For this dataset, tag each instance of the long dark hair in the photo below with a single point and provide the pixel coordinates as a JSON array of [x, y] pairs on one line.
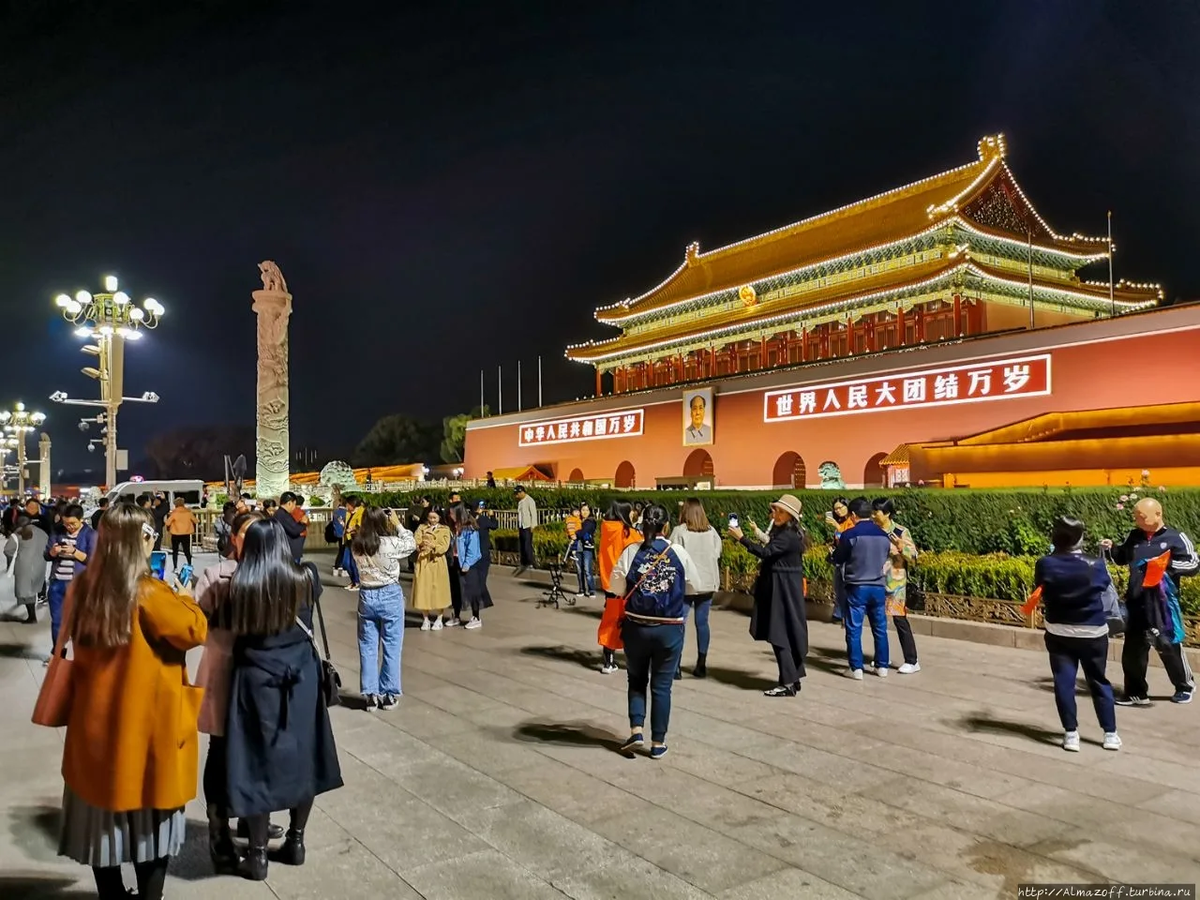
[[655, 520], [268, 587], [463, 518], [620, 511], [375, 524]]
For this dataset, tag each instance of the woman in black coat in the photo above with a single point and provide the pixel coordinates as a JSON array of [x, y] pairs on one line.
[[279, 744], [779, 615]]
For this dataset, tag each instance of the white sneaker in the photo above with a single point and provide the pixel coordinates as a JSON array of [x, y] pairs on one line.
[[909, 669], [453, 622], [437, 625], [1071, 741], [856, 674], [607, 669], [881, 671], [426, 625], [1112, 740], [474, 623]]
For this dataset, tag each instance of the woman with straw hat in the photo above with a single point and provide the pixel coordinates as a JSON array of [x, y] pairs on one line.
[[778, 616]]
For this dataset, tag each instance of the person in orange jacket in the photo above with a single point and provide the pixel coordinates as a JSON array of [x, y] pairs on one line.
[[616, 533], [130, 757]]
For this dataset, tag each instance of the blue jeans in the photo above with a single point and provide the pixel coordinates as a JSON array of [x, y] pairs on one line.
[[866, 600], [651, 655], [55, 595], [703, 605], [583, 569], [380, 614], [351, 566]]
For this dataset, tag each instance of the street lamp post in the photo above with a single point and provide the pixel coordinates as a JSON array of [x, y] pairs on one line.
[[17, 424], [7, 446], [111, 319]]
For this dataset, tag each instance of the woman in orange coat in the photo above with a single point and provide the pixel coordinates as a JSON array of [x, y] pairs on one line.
[[130, 755], [616, 533]]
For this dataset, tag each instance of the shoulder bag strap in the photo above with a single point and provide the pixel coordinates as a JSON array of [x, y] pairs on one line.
[[638, 584], [321, 622]]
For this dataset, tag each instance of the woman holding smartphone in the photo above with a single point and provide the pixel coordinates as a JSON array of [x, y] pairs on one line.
[[695, 535]]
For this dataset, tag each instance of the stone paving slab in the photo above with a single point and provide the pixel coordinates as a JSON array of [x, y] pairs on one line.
[[497, 777]]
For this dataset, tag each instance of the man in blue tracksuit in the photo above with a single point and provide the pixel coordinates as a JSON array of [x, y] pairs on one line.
[[863, 551], [71, 544]]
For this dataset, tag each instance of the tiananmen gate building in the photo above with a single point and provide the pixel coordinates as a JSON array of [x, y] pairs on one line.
[[938, 333]]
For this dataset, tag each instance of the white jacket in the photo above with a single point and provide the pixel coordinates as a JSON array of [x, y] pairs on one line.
[[704, 548]]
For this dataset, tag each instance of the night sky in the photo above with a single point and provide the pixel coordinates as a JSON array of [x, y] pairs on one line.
[[453, 190]]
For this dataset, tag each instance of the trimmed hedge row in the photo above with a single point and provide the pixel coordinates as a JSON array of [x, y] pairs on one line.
[[976, 522], [995, 576]]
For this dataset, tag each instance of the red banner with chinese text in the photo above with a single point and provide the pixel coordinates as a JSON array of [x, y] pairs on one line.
[[1026, 376], [601, 426]]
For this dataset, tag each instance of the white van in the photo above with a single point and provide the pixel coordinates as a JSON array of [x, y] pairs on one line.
[[190, 491]]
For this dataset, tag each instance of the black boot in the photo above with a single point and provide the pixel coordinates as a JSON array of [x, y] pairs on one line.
[[220, 842], [30, 614], [292, 851], [254, 864], [701, 671], [274, 832]]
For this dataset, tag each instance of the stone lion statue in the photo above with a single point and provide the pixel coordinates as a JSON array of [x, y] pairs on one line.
[[831, 477], [337, 474]]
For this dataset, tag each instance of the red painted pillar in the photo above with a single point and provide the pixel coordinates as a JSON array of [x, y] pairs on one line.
[[599, 386], [957, 315], [762, 352], [803, 344], [920, 324], [901, 327]]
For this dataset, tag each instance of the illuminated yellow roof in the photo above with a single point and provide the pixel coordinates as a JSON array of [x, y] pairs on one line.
[[836, 299], [884, 218]]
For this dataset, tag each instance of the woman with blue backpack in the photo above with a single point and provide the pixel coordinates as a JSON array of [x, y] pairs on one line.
[[653, 576]]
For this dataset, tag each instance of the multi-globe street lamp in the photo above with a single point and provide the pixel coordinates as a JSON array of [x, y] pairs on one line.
[[7, 445], [18, 423], [111, 319]]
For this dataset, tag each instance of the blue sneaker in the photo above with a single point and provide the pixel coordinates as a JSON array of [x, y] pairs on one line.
[[1181, 697], [658, 752], [634, 741]]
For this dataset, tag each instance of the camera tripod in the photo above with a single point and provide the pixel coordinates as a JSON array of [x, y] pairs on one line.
[[556, 593]]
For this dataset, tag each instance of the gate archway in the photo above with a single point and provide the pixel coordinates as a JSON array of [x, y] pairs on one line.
[[576, 476], [789, 471], [699, 464], [873, 473], [626, 477]]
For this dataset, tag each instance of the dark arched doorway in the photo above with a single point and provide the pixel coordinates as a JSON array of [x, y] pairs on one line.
[[625, 477], [699, 464], [576, 476], [873, 474], [789, 471]]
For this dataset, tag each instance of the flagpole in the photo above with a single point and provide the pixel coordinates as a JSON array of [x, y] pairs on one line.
[[1112, 296], [500, 389], [1031, 276], [539, 381], [518, 385], [482, 402]]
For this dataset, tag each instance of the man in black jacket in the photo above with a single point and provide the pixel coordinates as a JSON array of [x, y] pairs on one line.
[[1151, 538], [296, 529]]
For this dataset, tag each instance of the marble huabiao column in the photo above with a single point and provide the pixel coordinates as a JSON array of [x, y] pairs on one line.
[[273, 305]]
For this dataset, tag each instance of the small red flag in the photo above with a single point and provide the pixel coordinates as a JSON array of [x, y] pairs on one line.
[[1031, 604], [1155, 569]]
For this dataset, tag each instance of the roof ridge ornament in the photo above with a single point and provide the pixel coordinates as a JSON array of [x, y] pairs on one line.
[[991, 146], [691, 253]]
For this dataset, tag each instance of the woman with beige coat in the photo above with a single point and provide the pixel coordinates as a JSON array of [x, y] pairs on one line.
[[431, 577], [213, 674]]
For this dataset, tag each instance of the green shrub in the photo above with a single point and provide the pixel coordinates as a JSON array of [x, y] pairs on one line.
[[1016, 522], [995, 576]]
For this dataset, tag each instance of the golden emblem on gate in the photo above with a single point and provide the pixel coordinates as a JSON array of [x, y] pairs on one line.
[[747, 293]]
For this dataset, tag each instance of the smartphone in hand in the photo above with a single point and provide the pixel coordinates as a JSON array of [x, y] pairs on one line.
[[185, 575]]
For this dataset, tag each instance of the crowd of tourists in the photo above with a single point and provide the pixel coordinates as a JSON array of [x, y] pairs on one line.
[[263, 690]]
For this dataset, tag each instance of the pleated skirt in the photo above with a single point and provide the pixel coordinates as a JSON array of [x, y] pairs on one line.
[[100, 838]]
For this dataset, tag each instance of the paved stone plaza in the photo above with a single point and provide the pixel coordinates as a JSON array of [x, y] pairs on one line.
[[498, 777]]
